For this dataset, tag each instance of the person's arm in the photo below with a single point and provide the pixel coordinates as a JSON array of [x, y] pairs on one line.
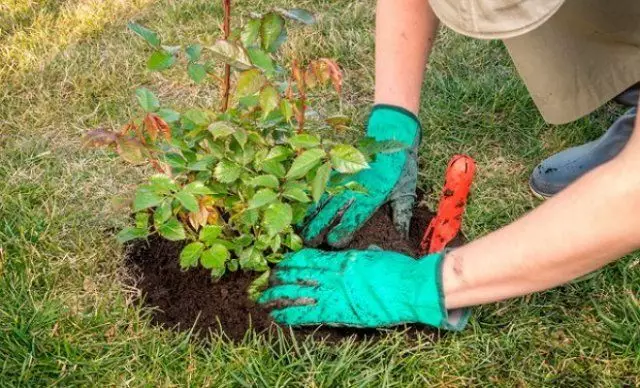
[[588, 225], [405, 31], [404, 34]]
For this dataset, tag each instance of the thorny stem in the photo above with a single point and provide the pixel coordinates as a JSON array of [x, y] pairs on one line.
[[226, 84]]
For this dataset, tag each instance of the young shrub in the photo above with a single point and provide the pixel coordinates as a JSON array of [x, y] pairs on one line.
[[234, 183]]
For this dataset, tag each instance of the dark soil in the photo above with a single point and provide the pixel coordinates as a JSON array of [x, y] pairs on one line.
[[186, 299]]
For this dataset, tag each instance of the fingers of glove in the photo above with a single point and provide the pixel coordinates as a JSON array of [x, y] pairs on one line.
[[313, 210], [402, 209], [352, 220], [313, 259], [288, 295], [304, 277], [302, 315], [318, 225]]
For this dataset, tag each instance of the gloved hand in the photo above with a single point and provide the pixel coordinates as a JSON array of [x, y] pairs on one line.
[[391, 178], [369, 288]]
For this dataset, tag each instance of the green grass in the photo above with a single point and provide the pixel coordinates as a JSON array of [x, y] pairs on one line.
[[65, 316]]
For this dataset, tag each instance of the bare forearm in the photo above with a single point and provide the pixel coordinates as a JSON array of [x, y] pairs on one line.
[[405, 30], [590, 224]]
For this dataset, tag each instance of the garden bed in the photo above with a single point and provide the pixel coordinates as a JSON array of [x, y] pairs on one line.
[[185, 299]]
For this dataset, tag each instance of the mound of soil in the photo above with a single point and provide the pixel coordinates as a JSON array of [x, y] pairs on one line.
[[186, 299]]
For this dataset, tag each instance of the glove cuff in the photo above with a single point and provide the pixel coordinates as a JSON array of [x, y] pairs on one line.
[[430, 303], [390, 122]]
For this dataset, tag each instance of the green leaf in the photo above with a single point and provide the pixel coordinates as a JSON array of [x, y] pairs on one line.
[[370, 146], [168, 115], [261, 60], [278, 154], [258, 286], [241, 136], [162, 213], [261, 198], [196, 116], [142, 220], [196, 72], [145, 198], [188, 201], [251, 33], [296, 194], [148, 35], [203, 164], [274, 168], [356, 187], [131, 233], [304, 140], [269, 99], [299, 15], [227, 171], [270, 30], [286, 109], [231, 54], [215, 257], [257, 138], [243, 241], [249, 82], [277, 217], [147, 100], [160, 60], [209, 233], [347, 159], [305, 162], [221, 129], [299, 212], [190, 254], [250, 217], [233, 265], [162, 184], [175, 160], [302, 185], [194, 52], [293, 241], [269, 181], [197, 187], [249, 101], [251, 259], [319, 184], [172, 230]]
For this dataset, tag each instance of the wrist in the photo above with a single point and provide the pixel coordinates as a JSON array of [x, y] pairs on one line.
[[430, 296], [390, 122]]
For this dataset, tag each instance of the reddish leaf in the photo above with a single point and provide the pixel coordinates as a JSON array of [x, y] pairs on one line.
[[199, 219], [334, 73], [130, 150], [100, 138], [163, 127], [321, 71], [151, 127], [310, 78]]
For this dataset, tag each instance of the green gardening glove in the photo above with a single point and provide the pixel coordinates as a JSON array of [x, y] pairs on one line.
[[369, 288], [390, 178]]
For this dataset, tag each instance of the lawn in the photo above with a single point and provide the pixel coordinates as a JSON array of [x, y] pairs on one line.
[[66, 318]]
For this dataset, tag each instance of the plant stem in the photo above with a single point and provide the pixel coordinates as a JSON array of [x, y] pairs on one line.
[[226, 84]]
